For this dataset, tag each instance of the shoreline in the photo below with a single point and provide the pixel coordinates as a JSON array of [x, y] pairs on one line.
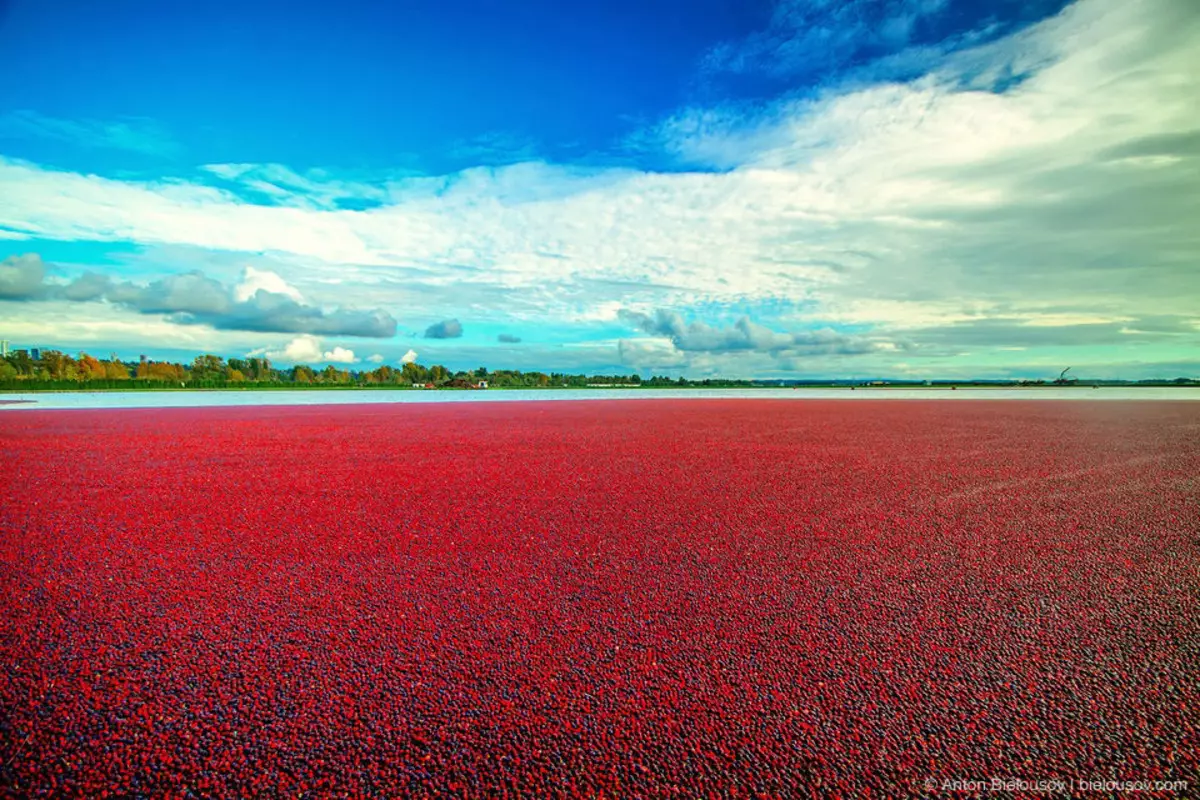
[[200, 399], [590, 389]]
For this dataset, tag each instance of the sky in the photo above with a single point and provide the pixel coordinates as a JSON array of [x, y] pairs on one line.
[[740, 188]]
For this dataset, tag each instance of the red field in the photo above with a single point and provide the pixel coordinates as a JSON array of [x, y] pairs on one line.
[[619, 599]]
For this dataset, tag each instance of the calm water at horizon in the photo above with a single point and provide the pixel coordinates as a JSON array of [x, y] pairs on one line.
[[310, 397]]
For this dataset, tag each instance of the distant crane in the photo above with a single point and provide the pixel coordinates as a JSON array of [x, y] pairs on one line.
[[1062, 377]]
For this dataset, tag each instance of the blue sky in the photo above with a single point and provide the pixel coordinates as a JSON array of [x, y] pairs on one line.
[[788, 188]]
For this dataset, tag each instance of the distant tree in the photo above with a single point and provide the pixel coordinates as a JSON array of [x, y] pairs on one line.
[[332, 374], [384, 374], [208, 368], [414, 373], [58, 366], [23, 362], [89, 368], [160, 371], [257, 369], [303, 374], [114, 370]]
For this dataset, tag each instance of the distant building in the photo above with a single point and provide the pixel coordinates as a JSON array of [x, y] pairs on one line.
[[3, 347], [481, 385], [35, 353]]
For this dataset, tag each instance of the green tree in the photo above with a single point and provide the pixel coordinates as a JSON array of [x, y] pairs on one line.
[[332, 374], [23, 362], [208, 368], [413, 372]]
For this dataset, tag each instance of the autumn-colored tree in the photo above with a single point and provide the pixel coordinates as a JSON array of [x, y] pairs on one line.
[[236, 376], [114, 370], [160, 371], [89, 368]]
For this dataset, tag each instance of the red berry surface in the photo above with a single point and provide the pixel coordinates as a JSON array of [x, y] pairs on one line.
[[698, 598]]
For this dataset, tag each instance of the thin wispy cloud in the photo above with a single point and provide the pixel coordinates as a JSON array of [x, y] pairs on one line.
[[315, 189], [807, 37], [133, 134]]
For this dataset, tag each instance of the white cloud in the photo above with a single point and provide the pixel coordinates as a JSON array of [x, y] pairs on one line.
[[375, 358], [255, 279], [651, 354], [313, 190], [301, 349], [306, 349], [341, 355], [409, 357]]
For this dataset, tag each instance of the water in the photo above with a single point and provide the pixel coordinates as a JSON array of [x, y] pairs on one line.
[[210, 399]]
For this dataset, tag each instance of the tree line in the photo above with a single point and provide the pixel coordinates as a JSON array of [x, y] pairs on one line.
[[53, 369]]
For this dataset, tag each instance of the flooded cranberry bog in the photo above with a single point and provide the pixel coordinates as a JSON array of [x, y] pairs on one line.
[[644, 598]]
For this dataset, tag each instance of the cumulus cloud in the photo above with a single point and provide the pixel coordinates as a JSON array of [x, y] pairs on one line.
[[255, 279], [268, 312], [193, 298], [446, 329], [744, 335], [650, 354], [21, 277], [185, 294], [409, 358], [375, 358], [88, 286], [307, 350], [508, 338], [341, 355]]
